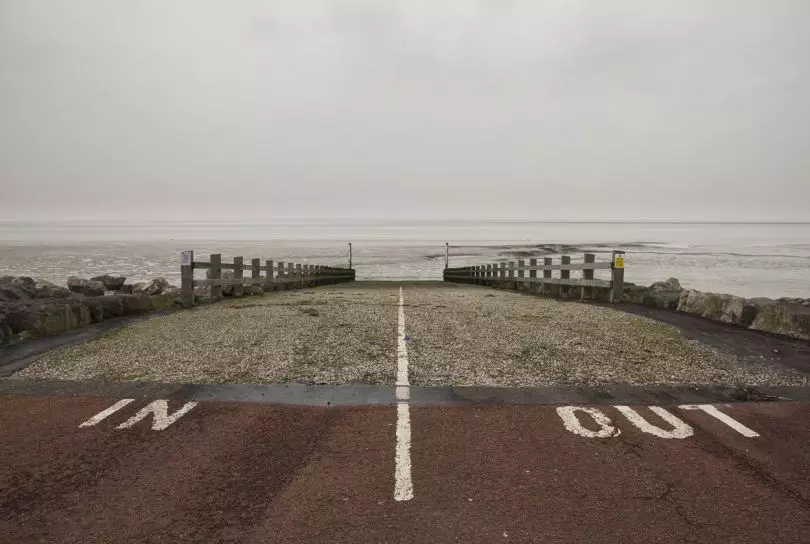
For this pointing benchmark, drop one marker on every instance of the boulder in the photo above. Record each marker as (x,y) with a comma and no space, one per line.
(111,306)
(5,331)
(136,304)
(782,317)
(634,293)
(155,287)
(33,287)
(13,294)
(126,289)
(724,308)
(85,287)
(111,283)
(663,294)
(43,318)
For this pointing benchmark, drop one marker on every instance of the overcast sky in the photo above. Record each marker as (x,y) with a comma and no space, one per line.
(589,109)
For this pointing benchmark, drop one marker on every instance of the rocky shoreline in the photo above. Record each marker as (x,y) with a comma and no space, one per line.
(33,308)
(785,316)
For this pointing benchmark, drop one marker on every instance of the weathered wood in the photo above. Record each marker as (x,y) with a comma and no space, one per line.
(617,277)
(511,270)
(187,278)
(573,266)
(255,269)
(587,273)
(520,285)
(546,275)
(281,270)
(238,274)
(531,287)
(268,276)
(216,274)
(565,275)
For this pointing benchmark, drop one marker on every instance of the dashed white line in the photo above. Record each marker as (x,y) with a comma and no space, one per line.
(403,484)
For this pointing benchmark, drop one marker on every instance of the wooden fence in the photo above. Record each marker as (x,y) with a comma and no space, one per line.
(521,277)
(277,276)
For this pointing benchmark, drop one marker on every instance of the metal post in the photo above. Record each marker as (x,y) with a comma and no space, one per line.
(617,277)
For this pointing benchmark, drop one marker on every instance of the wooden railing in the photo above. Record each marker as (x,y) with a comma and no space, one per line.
(521,277)
(279,275)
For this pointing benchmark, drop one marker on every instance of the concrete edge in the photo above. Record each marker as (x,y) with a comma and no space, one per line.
(376,395)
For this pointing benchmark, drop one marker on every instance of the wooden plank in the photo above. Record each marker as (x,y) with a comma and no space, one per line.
(617,277)
(587,274)
(546,274)
(281,270)
(255,269)
(187,278)
(268,274)
(574,266)
(238,274)
(202,265)
(216,274)
(565,275)
(532,275)
(511,269)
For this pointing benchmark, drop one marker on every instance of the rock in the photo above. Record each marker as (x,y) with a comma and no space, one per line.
(663,294)
(34,287)
(777,316)
(155,287)
(126,289)
(634,294)
(724,308)
(111,283)
(167,300)
(85,287)
(253,290)
(13,294)
(5,331)
(43,318)
(136,304)
(111,306)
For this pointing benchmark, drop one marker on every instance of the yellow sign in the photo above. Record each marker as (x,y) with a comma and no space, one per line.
(619,262)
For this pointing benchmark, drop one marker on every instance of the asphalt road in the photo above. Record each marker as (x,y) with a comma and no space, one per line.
(240,472)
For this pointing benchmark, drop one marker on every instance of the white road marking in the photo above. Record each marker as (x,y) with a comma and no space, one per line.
(728,420)
(159,409)
(99,417)
(680,429)
(568,414)
(403,484)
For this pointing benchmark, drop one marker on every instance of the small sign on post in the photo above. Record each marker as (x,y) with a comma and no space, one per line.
(186,258)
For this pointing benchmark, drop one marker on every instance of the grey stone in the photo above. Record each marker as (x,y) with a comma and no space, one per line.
(781,317)
(126,289)
(111,283)
(34,287)
(13,294)
(85,287)
(136,304)
(5,331)
(719,307)
(155,287)
(634,293)
(663,294)
(111,306)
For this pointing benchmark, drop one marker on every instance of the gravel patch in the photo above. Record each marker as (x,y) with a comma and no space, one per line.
(459,335)
(327,335)
(468,335)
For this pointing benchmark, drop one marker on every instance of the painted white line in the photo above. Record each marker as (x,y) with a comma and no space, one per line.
(159,409)
(99,417)
(568,414)
(728,420)
(403,483)
(680,429)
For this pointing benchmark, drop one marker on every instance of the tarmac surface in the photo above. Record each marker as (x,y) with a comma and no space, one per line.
(263,472)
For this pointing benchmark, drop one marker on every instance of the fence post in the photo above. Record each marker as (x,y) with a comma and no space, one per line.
(238,274)
(521,284)
(187,277)
(255,272)
(532,276)
(617,277)
(547,261)
(565,275)
(587,275)
(502,274)
(290,279)
(215,273)
(488,275)
(511,283)
(268,275)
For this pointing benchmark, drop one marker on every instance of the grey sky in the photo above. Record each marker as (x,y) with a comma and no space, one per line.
(673,109)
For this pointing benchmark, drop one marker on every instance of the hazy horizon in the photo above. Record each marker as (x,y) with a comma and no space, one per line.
(688,111)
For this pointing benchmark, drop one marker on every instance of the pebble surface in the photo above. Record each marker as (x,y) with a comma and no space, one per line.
(458,335)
